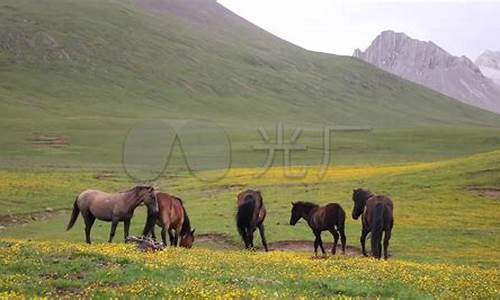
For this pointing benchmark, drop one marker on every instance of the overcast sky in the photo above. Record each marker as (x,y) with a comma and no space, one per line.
(340,26)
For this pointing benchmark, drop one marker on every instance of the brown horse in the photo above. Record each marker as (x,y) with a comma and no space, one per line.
(114,208)
(377,211)
(330,217)
(173,219)
(251,214)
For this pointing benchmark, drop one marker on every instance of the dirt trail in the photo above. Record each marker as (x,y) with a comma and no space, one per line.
(18,219)
(224,241)
(493,192)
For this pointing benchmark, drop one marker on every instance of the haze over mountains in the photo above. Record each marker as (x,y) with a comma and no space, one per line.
(428,64)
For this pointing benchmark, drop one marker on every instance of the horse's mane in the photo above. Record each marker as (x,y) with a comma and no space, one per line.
(186,226)
(366,193)
(136,188)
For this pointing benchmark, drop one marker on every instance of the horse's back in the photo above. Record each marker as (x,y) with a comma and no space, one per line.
(388,207)
(251,195)
(334,208)
(171,210)
(251,210)
(88,196)
(329,215)
(386,201)
(100,204)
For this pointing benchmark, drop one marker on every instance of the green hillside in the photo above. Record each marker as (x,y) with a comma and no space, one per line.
(77,75)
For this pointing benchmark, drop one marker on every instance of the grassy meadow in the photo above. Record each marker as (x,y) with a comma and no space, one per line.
(445,241)
(117,270)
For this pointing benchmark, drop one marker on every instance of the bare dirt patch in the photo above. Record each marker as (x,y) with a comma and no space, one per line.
(216,240)
(492,192)
(226,187)
(40,140)
(104,176)
(18,219)
(225,241)
(305,246)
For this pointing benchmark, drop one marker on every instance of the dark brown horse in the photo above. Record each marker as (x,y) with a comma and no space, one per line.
(174,220)
(114,208)
(330,217)
(251,214)
(377,212)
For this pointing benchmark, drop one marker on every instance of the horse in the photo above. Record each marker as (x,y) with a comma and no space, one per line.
(250,215)
(110,207)
(330,217)
(377,212)
(172,218)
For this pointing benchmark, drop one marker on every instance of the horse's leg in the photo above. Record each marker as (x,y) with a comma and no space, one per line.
(153,235)
(250,236)
(89,221)
(387,237)
(362,239)
(335,240)
(316,245)
(320,242)
(176,238)
(171,237)
(244,234)
(126,228)
(342,239)
(164,236)
(263,236)
(114,223)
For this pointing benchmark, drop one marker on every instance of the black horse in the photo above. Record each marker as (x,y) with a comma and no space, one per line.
(250,216)
(330,217)
(377,211)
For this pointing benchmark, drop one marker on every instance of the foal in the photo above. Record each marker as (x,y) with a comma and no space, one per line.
(330,217)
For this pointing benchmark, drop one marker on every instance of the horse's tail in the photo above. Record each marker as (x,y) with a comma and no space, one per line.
(244,216)
(340,219)
(74,215)
(377,229)
(186,226)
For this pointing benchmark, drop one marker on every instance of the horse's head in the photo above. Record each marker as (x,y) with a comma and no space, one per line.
(296,213)
(146,195)
(187,239)
(359,197)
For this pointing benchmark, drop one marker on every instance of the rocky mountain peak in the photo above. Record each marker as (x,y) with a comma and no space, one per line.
(490,59)
(428,64)
(489,63)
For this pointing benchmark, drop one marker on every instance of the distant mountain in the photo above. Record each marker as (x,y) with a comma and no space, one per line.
(428,64)
(489,63)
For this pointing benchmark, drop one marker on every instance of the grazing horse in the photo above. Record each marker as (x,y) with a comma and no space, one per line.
(330,217)
(251,214)
(377,217)
(114,208)
(172,218)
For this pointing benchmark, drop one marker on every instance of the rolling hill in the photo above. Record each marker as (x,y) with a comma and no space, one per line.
(76,77)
